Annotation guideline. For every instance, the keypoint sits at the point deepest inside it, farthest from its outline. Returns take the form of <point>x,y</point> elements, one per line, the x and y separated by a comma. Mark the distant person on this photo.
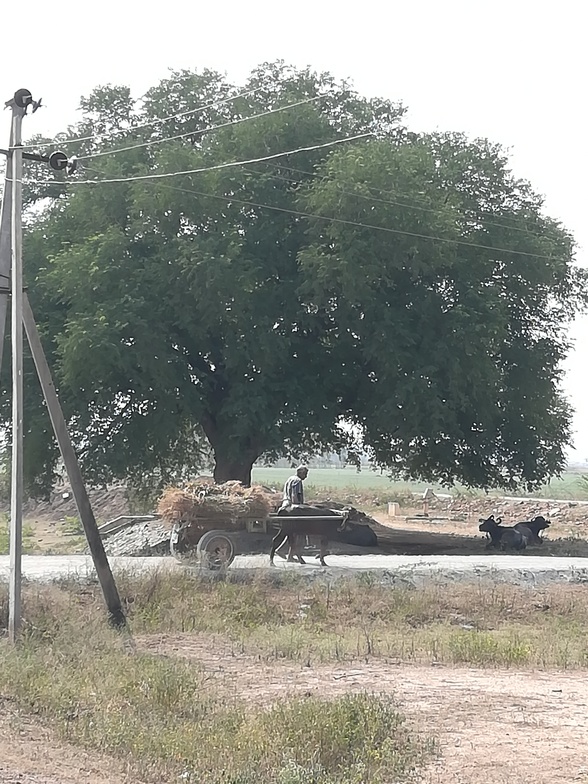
<point>294,489</point>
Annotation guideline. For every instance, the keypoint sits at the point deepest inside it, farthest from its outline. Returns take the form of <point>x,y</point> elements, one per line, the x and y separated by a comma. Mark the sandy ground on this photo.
<point>414,570</point>
<point>492,726</point>
<point>31,754</point>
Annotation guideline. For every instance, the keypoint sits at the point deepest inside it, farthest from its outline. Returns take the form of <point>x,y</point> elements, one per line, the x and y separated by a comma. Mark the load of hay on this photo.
<point>204,506</point>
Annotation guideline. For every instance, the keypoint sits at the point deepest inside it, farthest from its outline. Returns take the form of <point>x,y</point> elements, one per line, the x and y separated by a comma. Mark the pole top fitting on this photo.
<point>22,99</point>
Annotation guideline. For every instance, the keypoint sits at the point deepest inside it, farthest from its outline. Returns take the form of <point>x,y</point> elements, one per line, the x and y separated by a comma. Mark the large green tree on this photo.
<point>402,293</point>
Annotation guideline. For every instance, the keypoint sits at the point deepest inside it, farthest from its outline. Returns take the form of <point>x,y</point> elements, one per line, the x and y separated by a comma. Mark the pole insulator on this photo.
<point>23,98</point>
<point>58,160</point>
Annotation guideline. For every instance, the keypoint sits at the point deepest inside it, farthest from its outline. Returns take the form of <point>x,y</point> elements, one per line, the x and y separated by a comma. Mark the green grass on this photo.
<point>28,536</point>
<point>72,526</point>
<point>280,618</point>
<point>166,718</point>
<point>339,478</point>
<point>323,480</point>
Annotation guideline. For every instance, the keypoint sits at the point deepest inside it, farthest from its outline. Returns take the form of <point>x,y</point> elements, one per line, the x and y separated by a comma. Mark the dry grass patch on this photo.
<point>484,624</point>
<point>166,718</point>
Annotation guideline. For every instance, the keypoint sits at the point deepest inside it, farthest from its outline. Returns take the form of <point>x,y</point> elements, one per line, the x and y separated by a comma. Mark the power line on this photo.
<point>387,201</point>
<point>230,164</point>
<point>158,120</point>
<point>344,221</point>
<point>215,167</point>
<point>223,101</point>
<point>197,131</point>
<point>388,193</point>
<point>288,168</point>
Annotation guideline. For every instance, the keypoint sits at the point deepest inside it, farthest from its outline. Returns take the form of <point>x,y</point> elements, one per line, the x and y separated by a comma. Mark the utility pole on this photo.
<point>19,107</point>
<point>5,246</point>
<point>70,460</point>
<point>11,268</point>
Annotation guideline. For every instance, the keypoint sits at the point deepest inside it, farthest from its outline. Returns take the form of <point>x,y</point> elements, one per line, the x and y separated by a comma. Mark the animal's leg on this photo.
<point>277,541</point>
<point>324,544</point>
<point>294,549</point>
<point>495,543</point>
<point>281,551</point>
<point>291,547</point>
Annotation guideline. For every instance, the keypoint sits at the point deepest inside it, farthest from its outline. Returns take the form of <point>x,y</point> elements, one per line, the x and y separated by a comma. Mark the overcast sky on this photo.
<point>513,71</point>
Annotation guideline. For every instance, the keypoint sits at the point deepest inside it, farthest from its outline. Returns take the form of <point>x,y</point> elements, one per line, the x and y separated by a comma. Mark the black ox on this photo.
<point>338,529</point>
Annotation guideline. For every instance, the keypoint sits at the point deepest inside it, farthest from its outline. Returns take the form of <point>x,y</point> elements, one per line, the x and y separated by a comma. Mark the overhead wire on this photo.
<point>344,221</point>
<point>156,121</point>
<point>376,190</point>
<point>215,167</point>
<point>374,199</point>
<point>262,159</point>
<point>227,124</point>
<point>278,166</point>
<point>228,99</point>
<point>391,193</point>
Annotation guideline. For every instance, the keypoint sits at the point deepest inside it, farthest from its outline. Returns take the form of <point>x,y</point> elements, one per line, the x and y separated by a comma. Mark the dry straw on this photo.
<point>203,504</point>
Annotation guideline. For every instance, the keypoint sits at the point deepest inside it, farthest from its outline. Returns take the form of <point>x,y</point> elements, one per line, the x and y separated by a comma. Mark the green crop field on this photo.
<point>326,477</point>
<point>570,485</point>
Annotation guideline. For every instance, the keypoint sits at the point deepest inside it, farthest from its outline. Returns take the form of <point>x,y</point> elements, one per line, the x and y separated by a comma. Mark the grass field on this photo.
<point>167,718</point>
<point>253,681</point>
<point>27,537</point>
<point>570,485</point>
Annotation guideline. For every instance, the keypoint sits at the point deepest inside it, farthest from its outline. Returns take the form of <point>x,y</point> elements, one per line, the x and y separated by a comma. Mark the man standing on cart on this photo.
<point>294,489</point>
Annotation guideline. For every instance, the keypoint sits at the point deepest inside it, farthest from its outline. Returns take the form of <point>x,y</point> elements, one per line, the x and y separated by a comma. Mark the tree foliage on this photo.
<point>402,293</point>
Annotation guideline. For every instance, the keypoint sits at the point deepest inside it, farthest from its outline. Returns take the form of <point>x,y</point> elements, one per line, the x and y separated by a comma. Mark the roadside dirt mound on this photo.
<point>107,504</point>
<point>562,513</point>
<point>140,539</point>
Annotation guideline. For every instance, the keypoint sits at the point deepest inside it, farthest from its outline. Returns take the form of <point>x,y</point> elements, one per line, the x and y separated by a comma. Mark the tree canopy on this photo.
<point>399,293</point>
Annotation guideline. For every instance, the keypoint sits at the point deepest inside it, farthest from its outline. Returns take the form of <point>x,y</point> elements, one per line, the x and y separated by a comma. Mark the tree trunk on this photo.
<point>233,459</point>
<point>226,469</point>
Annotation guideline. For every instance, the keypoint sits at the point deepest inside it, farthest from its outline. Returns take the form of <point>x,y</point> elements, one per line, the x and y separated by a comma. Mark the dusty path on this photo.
<point>528,569</point>
<point>31,754</point>
<point>493,726</point>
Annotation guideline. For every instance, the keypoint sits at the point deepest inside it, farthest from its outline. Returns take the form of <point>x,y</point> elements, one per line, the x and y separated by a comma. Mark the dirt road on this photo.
<point>528,569</point>
<point>31,754</point>
<point>492,726</point>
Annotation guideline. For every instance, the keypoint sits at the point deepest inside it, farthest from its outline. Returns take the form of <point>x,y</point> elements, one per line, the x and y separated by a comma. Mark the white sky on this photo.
<point>514,71</point>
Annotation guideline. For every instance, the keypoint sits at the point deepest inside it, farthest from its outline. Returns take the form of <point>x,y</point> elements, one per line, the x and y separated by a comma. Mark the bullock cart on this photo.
<point>215,546</point>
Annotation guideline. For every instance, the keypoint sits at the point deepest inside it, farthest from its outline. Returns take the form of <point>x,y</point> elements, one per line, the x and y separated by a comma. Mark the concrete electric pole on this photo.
<point>11,271</point>
<point>20,103</point>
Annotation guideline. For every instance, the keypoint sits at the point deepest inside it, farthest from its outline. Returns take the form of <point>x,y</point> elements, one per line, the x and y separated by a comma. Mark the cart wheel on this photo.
<point>216,550</point>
